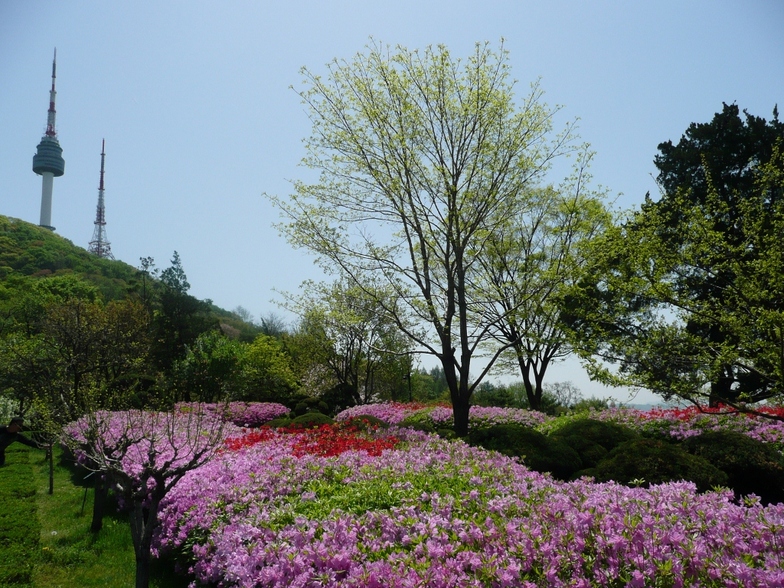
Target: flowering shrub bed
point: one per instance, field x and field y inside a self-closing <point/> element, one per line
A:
<point x="681" y="423"/>
<point x="242" y="414"/>
<point x="141" y="440"/>
<point x="441" y="417"/>
<point x="390" y="412"/>
<point x="486" y="416"/>
<point x="430" y="512"/>
<point x="326" y="440"/>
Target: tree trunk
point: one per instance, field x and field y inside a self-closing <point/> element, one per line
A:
<point x="143" y="570"/>
<point x="141" y="542"/>
<point x="50" y="459"/>
<point x="458" y="393"/>
<point x="534" y="394"/>
<point x="721" y="389"/>
<point x="143" y="521"/>
<point x="460" y="410"/>
<point x="99" y="503"/>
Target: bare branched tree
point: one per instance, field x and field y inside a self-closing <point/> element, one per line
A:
<point x="143" y="455"/>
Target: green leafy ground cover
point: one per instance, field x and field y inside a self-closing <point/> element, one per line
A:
<point x="45" y="541"/>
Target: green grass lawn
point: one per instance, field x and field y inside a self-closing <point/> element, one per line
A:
<point x="45" y="540"/>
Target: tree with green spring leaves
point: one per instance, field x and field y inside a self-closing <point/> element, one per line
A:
<point x="690" y="300"/>
<point x="421" y="157"/>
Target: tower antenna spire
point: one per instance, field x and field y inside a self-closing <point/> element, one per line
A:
<point x="48" y="160"/>
<point x="99" y="245"/>
<point x="50" y="129"/>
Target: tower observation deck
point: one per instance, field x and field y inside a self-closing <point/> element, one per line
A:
<point x="48" y="160"/>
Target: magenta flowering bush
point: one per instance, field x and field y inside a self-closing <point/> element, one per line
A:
<point x="389" y="412"/>
<point x="242" y="414"/>
<point x="439" y="513"/>
<point x="683" y="423"/>
<point x="442" y="417"/>
<point x="486" y="416"/>
<point x="144" y="440"/>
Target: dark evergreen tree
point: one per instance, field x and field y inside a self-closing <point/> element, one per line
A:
<point x="180" y="318"/>
<point x="689" y="300"/>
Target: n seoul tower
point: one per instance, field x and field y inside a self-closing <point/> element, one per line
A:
<point x="48" y="161"/>
<point x="99" y="245"/>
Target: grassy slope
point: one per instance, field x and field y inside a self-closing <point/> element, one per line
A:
<point x="29" y="250"/>
<point x="19" y="528"/>
<point x="67" y="554"/>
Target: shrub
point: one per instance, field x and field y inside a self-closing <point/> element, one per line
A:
<point x="656" y="462"/>
<point x="420" y="421"/>
<point x="311" y="419"/>
<point x="607" y="434"/>
<point x="277" y="423"/>
<point x="590" y="452"/>
<point x="305" y="404"/>
<point x="366" y="421"/>
<point x="592" y="439"/>
<point x="752" y="467"/>
<point x="539" y="452"/>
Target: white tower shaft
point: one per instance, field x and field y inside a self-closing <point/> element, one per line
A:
<point x="46" y="199"/>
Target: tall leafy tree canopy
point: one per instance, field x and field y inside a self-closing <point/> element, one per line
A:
<point x="364" y="352"/>
<point x="691" y="302"/>
<point x="421" y="156"/>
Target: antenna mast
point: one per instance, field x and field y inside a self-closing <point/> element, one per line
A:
<point x="100" y="246"/>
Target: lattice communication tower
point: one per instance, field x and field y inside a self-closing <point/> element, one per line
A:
<point x="100" y="245"/>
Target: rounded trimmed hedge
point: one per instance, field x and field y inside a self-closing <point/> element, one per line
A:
<point x="538" y="451"/>
<point x="366" y="421"/>
<point x="752" y="467"/>
<point x="593" y="439"/>
<point x="650" y="461"/>
<point x="311" y="419"/>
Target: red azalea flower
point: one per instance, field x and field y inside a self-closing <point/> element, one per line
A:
<point x="325" y="440"/>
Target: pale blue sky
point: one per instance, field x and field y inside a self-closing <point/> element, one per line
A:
<point x="193" y="100"/>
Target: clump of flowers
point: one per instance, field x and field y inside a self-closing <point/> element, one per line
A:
<point x="442" y="417"/>
<point x="681" y="423"/>
<point x="242" y="414"/>
<point x="140" y="440"/>
<point x="389" y="412"/>
<point x="325" y="440"/>
<point x="487" y="416"/>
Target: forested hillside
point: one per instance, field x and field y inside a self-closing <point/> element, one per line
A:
<point x="30" y="250"/>
<point x="78" y="332"/>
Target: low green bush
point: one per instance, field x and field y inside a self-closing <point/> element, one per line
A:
<point x="311" y="419"/>
<point x="608" y="435"/>
<point x="277" y="423"/>
<point x="651" y="461"/>
<point x="301" y="404"/>
<point x="752" y="467"/>
<point x="539" y="452"/>
<point x="365" y="421"/>
<point x="420" y="421"/>
<point x="590" y="452"/>
<point x="593" y="439"/>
